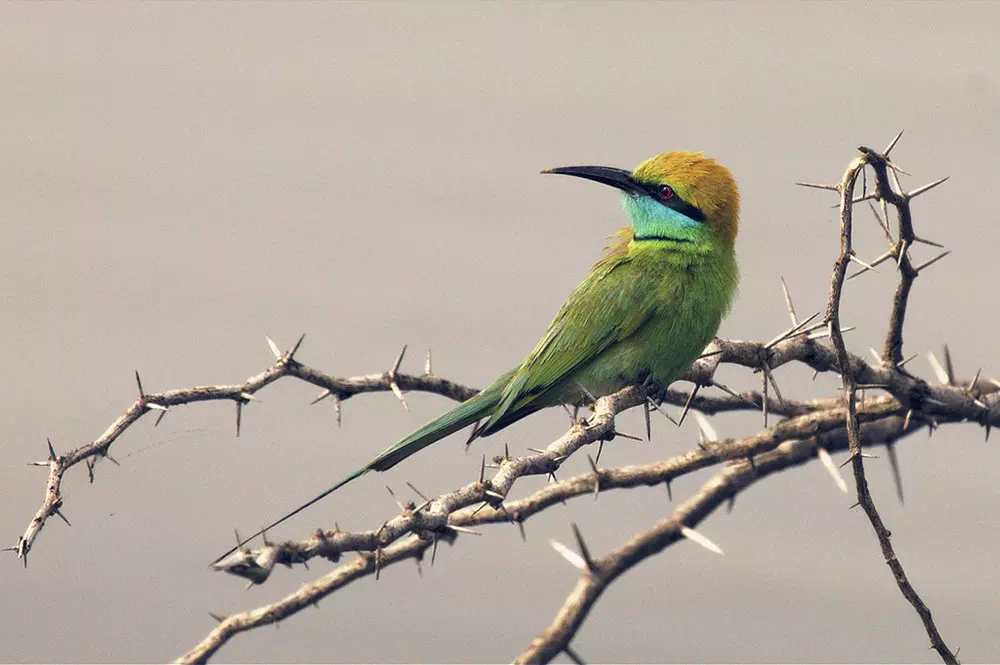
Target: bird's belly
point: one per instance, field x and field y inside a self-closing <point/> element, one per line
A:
<point x="661" y="350"/>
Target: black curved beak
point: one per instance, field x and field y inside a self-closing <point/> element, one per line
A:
<point x="619" y="178"/>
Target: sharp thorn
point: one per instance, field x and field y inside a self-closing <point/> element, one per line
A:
<point x="975" y="380"/>
<point x="575" y="657"/>
<point x="892" y="144"/>
<point x="939" y="371"/>
<point x="574" y="559"/>
<point x="763" y="397"/>
<point x="399" y="359"/>
<point x="274" y="347"/>
<point x="928" y="242"/>
<point x="393" y="495"/>
<point x="949" y="367"/>
<point x="864" y="197"/>
<point x="138" y="382"/>
<point x="904" y="245"/>
<point x="933" y="261"/>
<point x="398" y="393"/>
<point x="894" y="465"/>
<point x="649" y="427"/>
<point x="323" y="395"/>
<point x="696" y="537"/>
<point x="705" y="427"/>
<point x="418" y="492"/>
<point x="597" y="477"/>
<point x="895" y="180"/>
<point x="583" y="547"/>
<point x="895" y="168"/>
<point x="920" y="190"/>
<point x="660" y="410"/>
<point x="687" y="403"/>
<point x="291" y="352"/>
<point x="881" y="222"/>
<point x="791" y="332"/>
<point x="732" y="393"/>
<point x="831" y="468"/>
<point x="788" y="303"/>
<point x="774" y="383"/>
<point x="867" y="266"/>
<point x="586" y="392"/>
<point x="833" y="188"/>
<point x="462" y="529"/>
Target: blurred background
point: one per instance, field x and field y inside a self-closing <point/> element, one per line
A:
<point x="180" y="180"/>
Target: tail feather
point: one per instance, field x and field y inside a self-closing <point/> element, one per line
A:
<point x="466" y="413"/>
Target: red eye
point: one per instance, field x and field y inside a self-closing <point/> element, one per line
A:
<point x="665" y="192"/>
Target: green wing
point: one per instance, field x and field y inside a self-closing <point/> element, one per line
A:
<point x="609" y="306"/>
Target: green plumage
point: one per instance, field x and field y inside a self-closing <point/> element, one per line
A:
<point x="644" y="310"/>
<point x="648" y="307"/>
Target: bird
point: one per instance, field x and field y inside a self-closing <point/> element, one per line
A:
<point x="644" y="313"/>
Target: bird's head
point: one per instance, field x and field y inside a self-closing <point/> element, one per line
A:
<point x="680" y="198"/>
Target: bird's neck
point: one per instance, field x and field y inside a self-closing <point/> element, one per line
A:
<point x="666" y="227"/>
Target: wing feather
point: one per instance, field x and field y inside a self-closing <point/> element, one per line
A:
<point x="606" y="308"/>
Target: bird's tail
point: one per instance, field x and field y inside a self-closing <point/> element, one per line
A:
<point x="475" y="408"/>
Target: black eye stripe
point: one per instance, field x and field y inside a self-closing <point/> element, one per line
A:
<point x="674" y="202"/>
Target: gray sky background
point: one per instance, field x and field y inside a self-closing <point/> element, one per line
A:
<point x="180" y="180"/>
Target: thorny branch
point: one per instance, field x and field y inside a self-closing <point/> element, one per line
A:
<point x="891" y="355"/>
<point x="808" y="429"/>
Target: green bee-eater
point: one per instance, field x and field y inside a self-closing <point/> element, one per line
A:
<point x="648" y="307"/>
